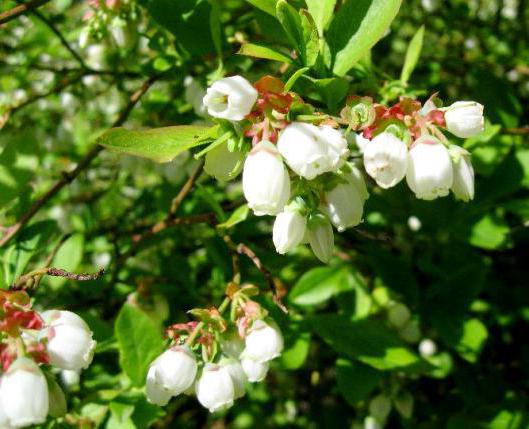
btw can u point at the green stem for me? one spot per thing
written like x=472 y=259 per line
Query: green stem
x=193 y=336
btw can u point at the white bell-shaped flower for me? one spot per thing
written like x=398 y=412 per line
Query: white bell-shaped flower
x=222 y=164
x=427 y=348
x=310 y=150
x=215 y=388
x=465 y=119
x=255 y=371
x=355 y=176
x=430 y=172
x=321 y=239
x=231 y=98
x=170 y=374
x=386 y=159
x=463 y=186
x=289 y=230
x=238 y=377
x=70 y=344
x=265 y=180
x=344 y=205
x=231 y=344
x=24 y=393
x=264 y=341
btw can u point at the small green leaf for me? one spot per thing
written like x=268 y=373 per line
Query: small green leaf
x=293 y=79
x=268 y=6
x=294 y=356
x=472 y=340
x=239 y=215
x=321 y=11
x=310 y=38
x=157 y=144
x=412 y=55
x=490 y=232
x=368 y=340
x=139 y=342
x=319 y=285
x=356 y=380
x=264 y=52
x=355 y=29
x=291 y=22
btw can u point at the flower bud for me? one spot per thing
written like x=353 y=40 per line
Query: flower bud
x=310 y=151
x=465 y=119
x=70 y=344
x=380 y=407
x=427 y=348
x=321 y=238
x=170 y=374
x=231 y=344
x=289 y=230
x=264 y=341
x=222 y=164
x=463 y=186
x=430 y=173
x=194 y=94
x=24 y=393
x=265 y=180
x=344 y=205
x=371 y=423
x=255 y=371
x=70 y=378
x=399 y=315
x=238 y=377
x=215 y=388
x=231 y=98
x=414 y=223
x=386 y=159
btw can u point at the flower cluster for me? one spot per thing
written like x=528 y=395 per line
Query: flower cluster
x=30 y=343
x=300 y=166
x=233 y=354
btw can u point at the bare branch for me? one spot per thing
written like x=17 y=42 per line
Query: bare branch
x=21 y=9
x=68 y=177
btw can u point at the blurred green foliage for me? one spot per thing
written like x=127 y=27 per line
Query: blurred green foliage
x=459 y=268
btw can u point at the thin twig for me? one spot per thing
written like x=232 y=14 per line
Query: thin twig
x=68 y=177
x=21 y=9
x=516 y=131
x=243 y=249
x=169 y=220
x=62 y=39
x=29 y=280
x=52 y=255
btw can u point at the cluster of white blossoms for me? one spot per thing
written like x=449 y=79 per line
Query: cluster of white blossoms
x=28 y=392
x=299 y=168
x=222 y=379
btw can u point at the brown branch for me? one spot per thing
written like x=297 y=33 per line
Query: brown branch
x=68 y=177
x=31 y=279
x=62 y=39
x=21 y=9
x=169 y=220
x=516 y=131
x=243 y=249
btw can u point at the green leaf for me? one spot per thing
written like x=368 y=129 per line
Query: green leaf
x=412 y=55
x=120 y=416
x=321 y=11
x=310 y=38
x=291 y=22
x=268 y=6
x=68 y=258
x=188 y=20
x=318 y=285
x=332 y=90
x=139 y=342
x=239 y=215
x=490 y=232
x=294 y=356
x=261 y=51
x=157 y=144
x=356 y=380
x=355 y=29
x=293 y=79
x=472 y=340
x=369 y=341
x=19 y=254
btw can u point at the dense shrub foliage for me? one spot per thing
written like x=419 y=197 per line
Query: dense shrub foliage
x=264 y=213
